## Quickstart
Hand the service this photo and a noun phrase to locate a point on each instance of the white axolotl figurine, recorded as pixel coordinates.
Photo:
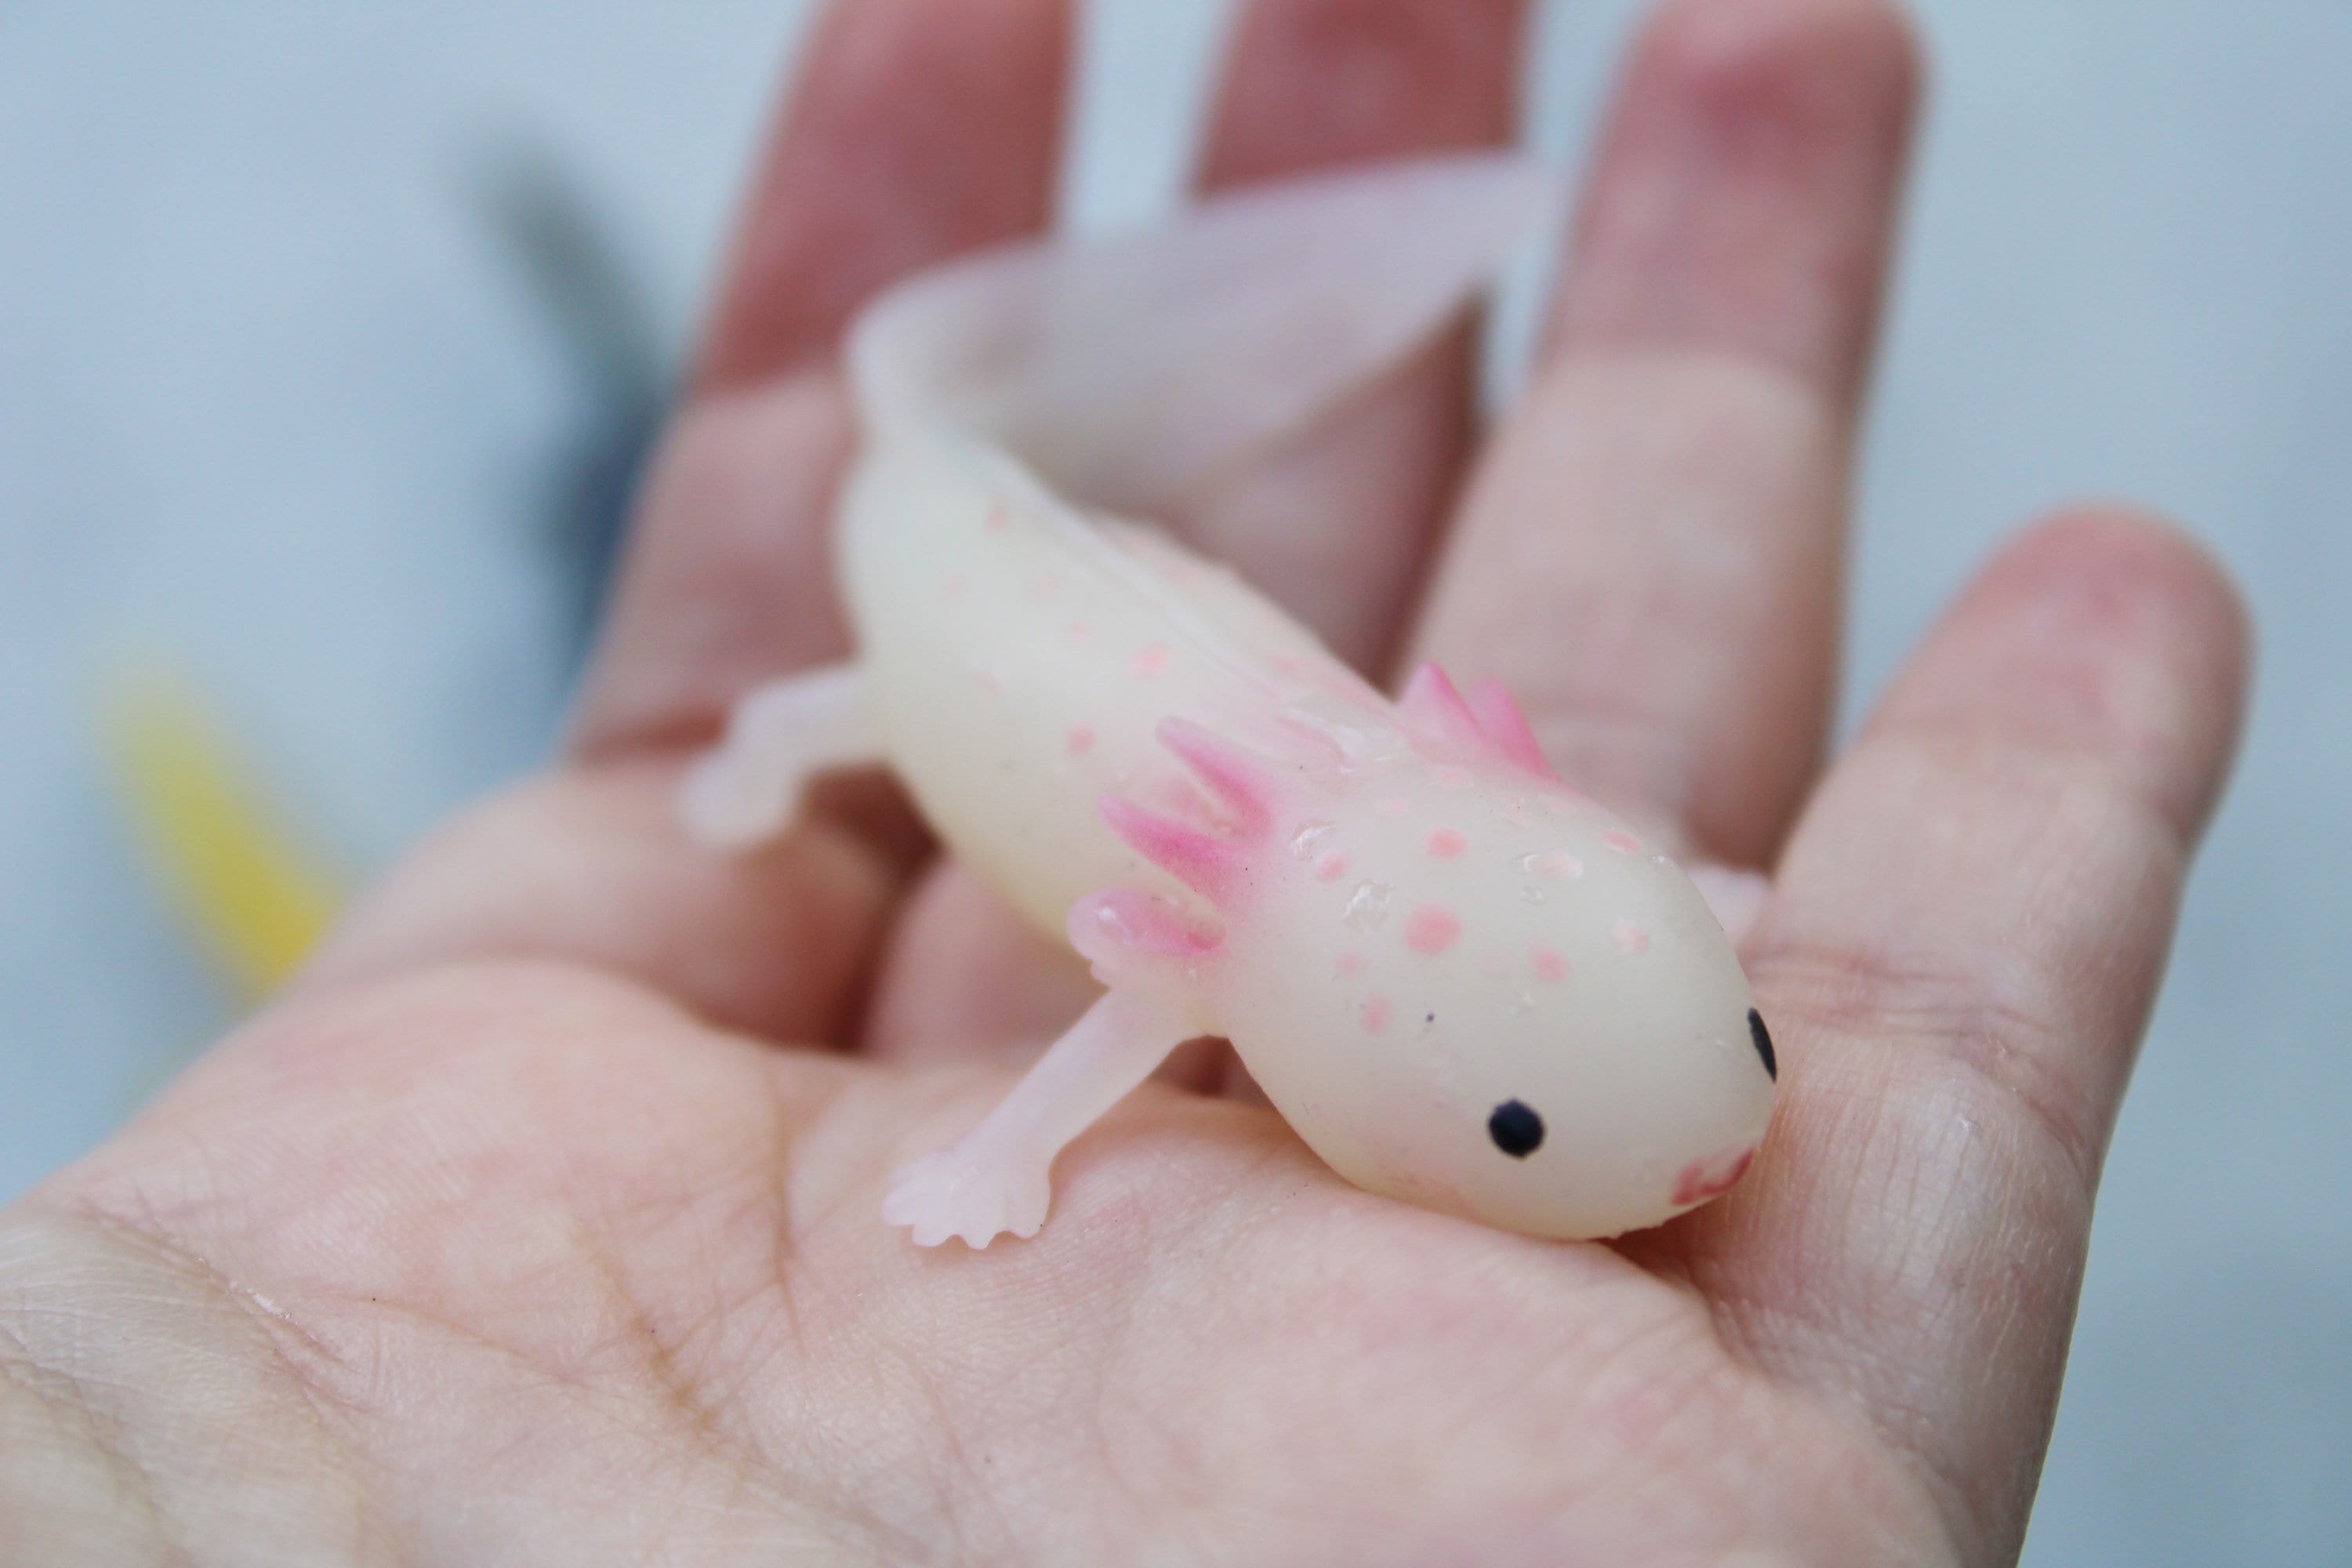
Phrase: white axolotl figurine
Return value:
(1462, 984)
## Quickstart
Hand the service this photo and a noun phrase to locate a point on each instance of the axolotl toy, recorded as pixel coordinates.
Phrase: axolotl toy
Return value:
(1462, 984)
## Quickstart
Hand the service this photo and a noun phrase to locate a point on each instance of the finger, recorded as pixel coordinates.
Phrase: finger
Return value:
(1957, 961)
(586, 865)
(917, 128)
(1335, 525)
(1649, 555)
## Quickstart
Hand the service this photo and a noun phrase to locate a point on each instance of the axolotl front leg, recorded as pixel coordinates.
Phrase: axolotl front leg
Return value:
(1148, 951)
(779, 737)
(996, 1177)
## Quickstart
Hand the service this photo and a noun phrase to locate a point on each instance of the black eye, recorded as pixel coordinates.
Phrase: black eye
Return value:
(1763, 1039)
(1515, 1128)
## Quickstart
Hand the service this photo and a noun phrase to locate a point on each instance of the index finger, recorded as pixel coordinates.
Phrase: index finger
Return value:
(1958, 961)
(915, 129)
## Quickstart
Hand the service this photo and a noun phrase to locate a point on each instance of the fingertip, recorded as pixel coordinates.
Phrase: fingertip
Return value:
(2106, 626)
(913, 130)
(1761, 67)
(1744, 194)
(1313, 83)
(2125, 557)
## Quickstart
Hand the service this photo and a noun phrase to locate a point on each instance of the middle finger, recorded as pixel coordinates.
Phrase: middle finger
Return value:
(1649, 555)
(1334, 525)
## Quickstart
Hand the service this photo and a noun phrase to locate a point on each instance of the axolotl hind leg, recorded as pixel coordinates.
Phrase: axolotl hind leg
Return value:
(780, 736)
(996, 1177)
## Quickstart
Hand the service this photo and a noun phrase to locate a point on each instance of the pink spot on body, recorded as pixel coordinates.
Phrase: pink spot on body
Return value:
(1628, 937)
(1347, 965)
(1080, 740)
(1548, 964)
(1079, 631)
(1622, 842)
(1331, 867)
(1705, 1178)
(1431, 928)
(1375, 1013)
(998, 520)
(1151, 659)
(1444, 844)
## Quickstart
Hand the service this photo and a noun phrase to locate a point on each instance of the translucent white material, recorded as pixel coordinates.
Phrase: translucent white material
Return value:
(1462, 984)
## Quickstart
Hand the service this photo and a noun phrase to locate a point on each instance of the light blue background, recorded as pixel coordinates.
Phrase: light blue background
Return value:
(277, 402)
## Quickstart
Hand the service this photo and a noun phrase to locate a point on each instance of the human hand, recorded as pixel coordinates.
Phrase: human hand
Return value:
(541, 1221)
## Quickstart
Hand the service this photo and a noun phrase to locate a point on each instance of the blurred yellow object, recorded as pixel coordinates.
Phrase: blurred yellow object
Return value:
(257, 902)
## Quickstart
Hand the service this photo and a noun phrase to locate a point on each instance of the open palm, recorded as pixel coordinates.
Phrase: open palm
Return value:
(539, 1222)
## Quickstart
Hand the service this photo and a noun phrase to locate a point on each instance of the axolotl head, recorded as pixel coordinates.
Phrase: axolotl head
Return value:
(1467, 986)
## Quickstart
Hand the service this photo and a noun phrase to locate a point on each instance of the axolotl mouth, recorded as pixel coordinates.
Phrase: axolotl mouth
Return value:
(1712, 1174)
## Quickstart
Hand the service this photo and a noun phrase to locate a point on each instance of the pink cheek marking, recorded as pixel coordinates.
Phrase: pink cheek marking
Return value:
(1548, 964)
(1430, 929)
(1347, 965)
(1081, 740)
(1444, 844)
(1628, 937)
(1331, 867)
(1079, 631)
(1392, 806)
(1705, 1178)
(1450, 777)
(998, 520)
(1151, 659)
(1375, 1014)
(1622, 842)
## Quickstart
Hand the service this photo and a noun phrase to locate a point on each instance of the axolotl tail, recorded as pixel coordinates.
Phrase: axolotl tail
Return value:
(1131, 373)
